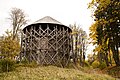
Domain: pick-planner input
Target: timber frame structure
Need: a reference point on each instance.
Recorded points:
(47, 41)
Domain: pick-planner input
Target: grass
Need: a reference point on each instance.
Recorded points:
(51, 73)
(113, 71)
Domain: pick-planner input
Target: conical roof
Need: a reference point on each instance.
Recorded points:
(48, 19)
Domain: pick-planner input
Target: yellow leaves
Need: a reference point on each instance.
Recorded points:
(74, 32)
(107, 42)
(75, 29)
(8, 46)
(104, 2)
(93, 32)
(115, 12)
(113, 19)
(102, 22)
(96, 3)
(98, 48)
(90, 5)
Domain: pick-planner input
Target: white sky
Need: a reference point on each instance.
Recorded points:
(65, 11)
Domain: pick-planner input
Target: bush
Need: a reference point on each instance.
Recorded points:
(102, 65)
(87, 64)
(95, 64)
(7, 65)
(32, 64)
(26, 63)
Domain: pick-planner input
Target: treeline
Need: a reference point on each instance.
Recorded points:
(79, 44)
(105, 31)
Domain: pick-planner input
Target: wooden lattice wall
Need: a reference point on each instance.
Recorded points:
(46, 44)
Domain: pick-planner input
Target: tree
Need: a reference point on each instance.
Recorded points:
(9, 48)
(106, 31)
(18, 19)
(79, 44)
(74, 37)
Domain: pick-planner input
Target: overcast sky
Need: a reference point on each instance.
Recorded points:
(65, 11)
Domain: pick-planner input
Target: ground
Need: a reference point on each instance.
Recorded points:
(113, 71)
(52, 73)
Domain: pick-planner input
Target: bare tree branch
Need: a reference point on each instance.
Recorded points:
(17, 18)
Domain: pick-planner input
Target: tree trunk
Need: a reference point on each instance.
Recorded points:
(76, 37)
(80, 57)
(110, 58)
(116, 56)
(106, 59)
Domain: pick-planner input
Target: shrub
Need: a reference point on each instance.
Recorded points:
(26, 63)
(7, 65)
(32, 64)
(87, 64)
(102, 65)
(95, 64)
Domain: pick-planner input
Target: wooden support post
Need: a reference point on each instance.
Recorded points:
(47, 45)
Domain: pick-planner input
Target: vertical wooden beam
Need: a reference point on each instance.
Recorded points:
(58, 40)
(47, 44)
(68, 49)
(25, 52)
(31, 37)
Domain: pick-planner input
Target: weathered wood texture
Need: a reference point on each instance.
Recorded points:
(46, 44)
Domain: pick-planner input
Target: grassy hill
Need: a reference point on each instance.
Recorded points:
(51, 73)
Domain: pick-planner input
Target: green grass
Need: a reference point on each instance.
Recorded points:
(51, 73)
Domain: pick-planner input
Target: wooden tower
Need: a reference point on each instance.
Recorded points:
(47, 42)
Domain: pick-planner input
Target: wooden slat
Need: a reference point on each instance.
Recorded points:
(57, 43)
